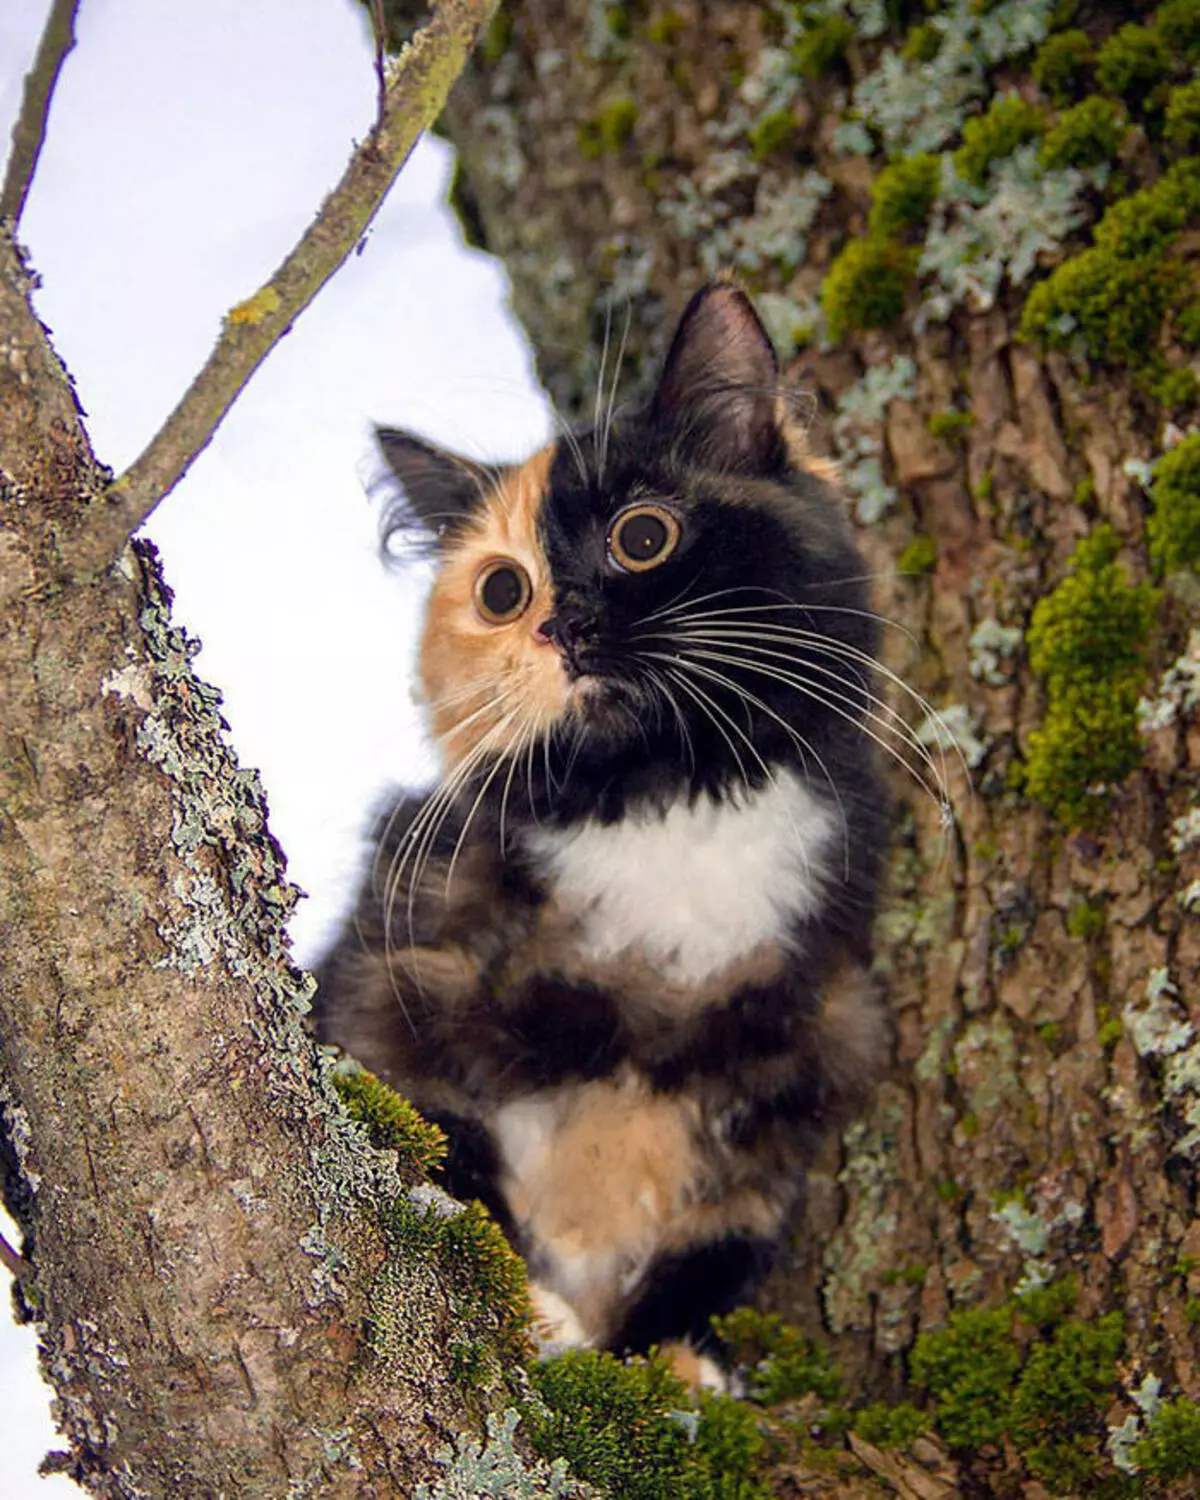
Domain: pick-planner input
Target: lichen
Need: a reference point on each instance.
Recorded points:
(475, 1470)
(992, 648)
(1086, 642)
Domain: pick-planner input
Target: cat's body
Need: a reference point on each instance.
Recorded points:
(620, 954)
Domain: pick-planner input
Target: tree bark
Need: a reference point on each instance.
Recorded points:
(237, 1294)
(1011, 1083)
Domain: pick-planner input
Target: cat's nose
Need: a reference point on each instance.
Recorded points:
(570, 630)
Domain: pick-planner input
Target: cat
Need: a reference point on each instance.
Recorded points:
(621, 952)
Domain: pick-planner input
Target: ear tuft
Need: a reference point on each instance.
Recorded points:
(717, 391)
(439, 490)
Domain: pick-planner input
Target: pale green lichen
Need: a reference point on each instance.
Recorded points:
(859, 433)
(496, 1471)
(1162, 1032)
(856, 1259)
(992, 648)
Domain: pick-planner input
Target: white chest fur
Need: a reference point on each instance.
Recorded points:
(697, 888)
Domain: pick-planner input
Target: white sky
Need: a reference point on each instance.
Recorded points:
(188, 148)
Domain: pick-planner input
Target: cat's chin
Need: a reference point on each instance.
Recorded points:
(607, 707)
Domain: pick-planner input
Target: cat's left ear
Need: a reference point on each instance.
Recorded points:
(717, 392)
(440, 490)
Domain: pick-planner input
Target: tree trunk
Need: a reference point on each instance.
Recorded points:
(1032, 1126)
(238, 1295)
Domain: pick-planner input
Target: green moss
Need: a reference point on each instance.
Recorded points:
(889, 1426)
(487, 1278)
(1086, 135)
(1110, 1031)
(1062, 66)
(785, 1363)
(730, 1445)
(1182, 127)
(951, 425)
(1111, 299)
(969, 1367)
(1008, 123)
(1131, 63)
(1191, 1311)
(497, 38)
(822, 45)
(1176, 388)
(1178, 23)
(986, 486)
(866, 285)
(1086, 919)
(1171, 1447)
(609, 128)
(904, 194)
(1086, 640)
(771, 132)
(391, 1122)
(624, 1428)
(922, 44)
(662, 29)
(1047, 1306)
(919, 557)
(1174, 528)
(1063, 1390)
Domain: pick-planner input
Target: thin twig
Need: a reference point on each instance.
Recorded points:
(29, 133)
(15, 1264)
(421, 77)
(379, 28)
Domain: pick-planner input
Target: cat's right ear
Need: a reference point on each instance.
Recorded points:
(439, 490)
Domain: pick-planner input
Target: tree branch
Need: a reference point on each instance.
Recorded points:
(421, 78)
(29, 133)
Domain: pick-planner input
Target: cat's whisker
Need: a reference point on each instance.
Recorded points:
(430, 816)
(785, 634)
(888, 718)
(804, 607)
(612, 390)
(475, 806)
(710, 708)
(803, 745)
(933, 786)
(598, 407)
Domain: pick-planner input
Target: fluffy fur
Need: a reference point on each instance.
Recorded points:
(620, 951)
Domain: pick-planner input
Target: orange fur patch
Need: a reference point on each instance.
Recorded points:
(493, 688)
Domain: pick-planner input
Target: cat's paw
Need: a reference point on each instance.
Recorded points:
(556, 1327)
(696, 1370)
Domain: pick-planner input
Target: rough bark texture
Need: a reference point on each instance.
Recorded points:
(237, 1294)
(591, 139)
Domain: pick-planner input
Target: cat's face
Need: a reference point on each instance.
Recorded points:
(675, 588)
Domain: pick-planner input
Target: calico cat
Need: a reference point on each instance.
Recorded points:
(620, 952)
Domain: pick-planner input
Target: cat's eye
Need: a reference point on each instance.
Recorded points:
(643, 536)
(502, 591)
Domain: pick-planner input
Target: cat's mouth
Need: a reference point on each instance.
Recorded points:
(605, 703)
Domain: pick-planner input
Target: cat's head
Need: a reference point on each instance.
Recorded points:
(672, 592)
